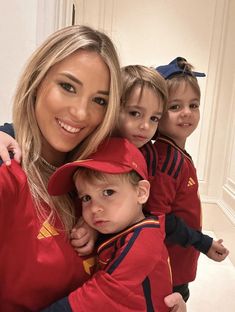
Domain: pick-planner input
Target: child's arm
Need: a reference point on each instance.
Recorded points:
(83, 238)
(178, 232)
(8, 144)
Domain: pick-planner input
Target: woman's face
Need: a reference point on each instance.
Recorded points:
(71, 102)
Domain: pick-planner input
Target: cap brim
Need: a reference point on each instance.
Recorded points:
(61, 181)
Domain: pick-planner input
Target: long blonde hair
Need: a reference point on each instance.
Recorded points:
(56, 48)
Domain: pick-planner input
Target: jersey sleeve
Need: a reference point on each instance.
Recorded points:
(8, 128)
(9, 185)
(178, 232)
(9, 190)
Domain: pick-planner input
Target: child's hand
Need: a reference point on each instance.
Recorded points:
(9, 144)
(217, 252)
(83, 238)
(175, 302)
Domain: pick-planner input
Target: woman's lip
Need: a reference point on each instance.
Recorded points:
(68, 128)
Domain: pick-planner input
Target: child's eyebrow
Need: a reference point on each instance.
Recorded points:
(135, 106)
(142, 108)
(180, 100)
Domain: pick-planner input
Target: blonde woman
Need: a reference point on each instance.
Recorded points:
(66, 103)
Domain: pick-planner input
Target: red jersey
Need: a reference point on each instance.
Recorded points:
(174, 189)
(37, 264)
(134, 272)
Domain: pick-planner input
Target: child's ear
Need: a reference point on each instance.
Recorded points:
(143, 191)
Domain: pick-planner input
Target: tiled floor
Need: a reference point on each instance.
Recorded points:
(214, 288)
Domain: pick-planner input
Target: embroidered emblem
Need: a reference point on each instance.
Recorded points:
(88, 264)
(191, 182)
(47, 230)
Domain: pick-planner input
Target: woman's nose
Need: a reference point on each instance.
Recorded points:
(79, 111)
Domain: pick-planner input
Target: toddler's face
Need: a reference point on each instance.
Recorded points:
(182, 115)
(113, 204)
(138, 120)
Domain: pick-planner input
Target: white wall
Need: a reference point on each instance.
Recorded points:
(17, 37)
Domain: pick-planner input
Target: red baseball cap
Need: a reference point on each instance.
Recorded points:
(114, 155)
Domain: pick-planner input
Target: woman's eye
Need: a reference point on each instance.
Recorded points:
(108, 192)
(85, 198)
(134, 113)
(67, 87)
(100, 101)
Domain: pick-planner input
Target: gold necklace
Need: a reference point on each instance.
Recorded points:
(48, 165)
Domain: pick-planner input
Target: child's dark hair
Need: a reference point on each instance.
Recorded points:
(138, 75)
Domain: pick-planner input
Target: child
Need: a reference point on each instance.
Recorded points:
(175, 184)
(143, 99)
(134, 273)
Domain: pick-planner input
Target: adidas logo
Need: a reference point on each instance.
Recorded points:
(47, 230)
(191, 182)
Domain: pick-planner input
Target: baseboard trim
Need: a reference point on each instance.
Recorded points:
(229, 212)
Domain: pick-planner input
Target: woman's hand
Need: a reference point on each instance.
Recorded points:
(83, 238)
(9, 144)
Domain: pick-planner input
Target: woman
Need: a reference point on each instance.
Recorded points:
(66, 103)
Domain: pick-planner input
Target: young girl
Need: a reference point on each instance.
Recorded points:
(175, 184)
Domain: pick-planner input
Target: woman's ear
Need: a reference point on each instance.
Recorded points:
(143, 191)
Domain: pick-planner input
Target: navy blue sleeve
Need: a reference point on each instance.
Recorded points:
(178, 232)
(8, 128)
